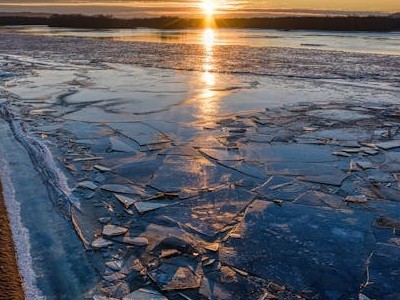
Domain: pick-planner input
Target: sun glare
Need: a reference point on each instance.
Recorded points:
(208, 39)
(208, 7)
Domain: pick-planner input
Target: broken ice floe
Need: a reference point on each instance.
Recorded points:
(172, 213)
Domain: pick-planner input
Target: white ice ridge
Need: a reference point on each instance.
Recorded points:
(43, 156)
(30, 60)
(44, 162)
(20, 235)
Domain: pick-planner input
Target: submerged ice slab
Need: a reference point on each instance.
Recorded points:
(286, 153)
(188, 173)
(146, 206)
(303, 246)
(145, 294)
(316, 198)
(383, 274)
(339, 114)
(142, 133)
(176, 274)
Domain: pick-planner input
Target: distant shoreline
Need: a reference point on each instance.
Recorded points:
(318, 23)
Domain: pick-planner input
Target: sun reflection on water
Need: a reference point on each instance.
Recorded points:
(208, 105)
(208, 40)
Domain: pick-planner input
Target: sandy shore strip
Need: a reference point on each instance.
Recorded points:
(10, 279)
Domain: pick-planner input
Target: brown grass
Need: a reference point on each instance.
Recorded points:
(10, 280)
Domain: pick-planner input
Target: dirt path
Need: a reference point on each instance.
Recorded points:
(10, 280)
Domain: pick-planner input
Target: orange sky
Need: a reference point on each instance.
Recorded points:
(190, 7)
(353, 5)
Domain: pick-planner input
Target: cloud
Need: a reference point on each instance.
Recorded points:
(143, 8)
(119, 7)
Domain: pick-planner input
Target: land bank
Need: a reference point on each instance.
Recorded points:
(324, 23)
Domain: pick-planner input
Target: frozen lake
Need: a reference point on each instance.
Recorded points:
(151, 160)
(364, 42)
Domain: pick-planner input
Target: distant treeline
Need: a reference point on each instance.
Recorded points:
(104, 22)
(349, 23)
(316, 23)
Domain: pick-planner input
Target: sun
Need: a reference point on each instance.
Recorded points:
(208, 7)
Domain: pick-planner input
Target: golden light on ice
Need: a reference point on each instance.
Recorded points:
(208, 40)
(208, 104)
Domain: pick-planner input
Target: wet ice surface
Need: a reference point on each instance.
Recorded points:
(201, 185)
(364, 69)
(368, 42)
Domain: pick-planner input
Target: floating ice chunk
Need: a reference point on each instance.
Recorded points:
(88, 158)
(356, 199)
(282, 152)
(340, 153)
(349, 144)
(126, 201)
(114, 277)
(214, 247)
(72, 168)
(251, 169)
(165, 253)
(188, 173)
(232, 283)
(49, 128)
(101, 243)
(104, 220)
(221, 154)
(180, 151)
(392, 162)
(125, 189)
(395, 241)
(351, 150)
(283, 188)
(145, 206)
(364, 164)
(309, 128)
(336, 178)
(388, 222)
(102, 168)
(82, 232)
(379, 176)
(176, 274)
(118, 290)
(142, 133)
(99, 297)
(119, 146)
(339, 134)
(100, 178)
(389, 145)
(317, 198)
(136, 241)
(370, 151)
(145, 294)
(260, 138)
(339, 114)
(363, 297)
(87, 185)
(115, 265)
(113, 230)
(42, 111)
(97, 115)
